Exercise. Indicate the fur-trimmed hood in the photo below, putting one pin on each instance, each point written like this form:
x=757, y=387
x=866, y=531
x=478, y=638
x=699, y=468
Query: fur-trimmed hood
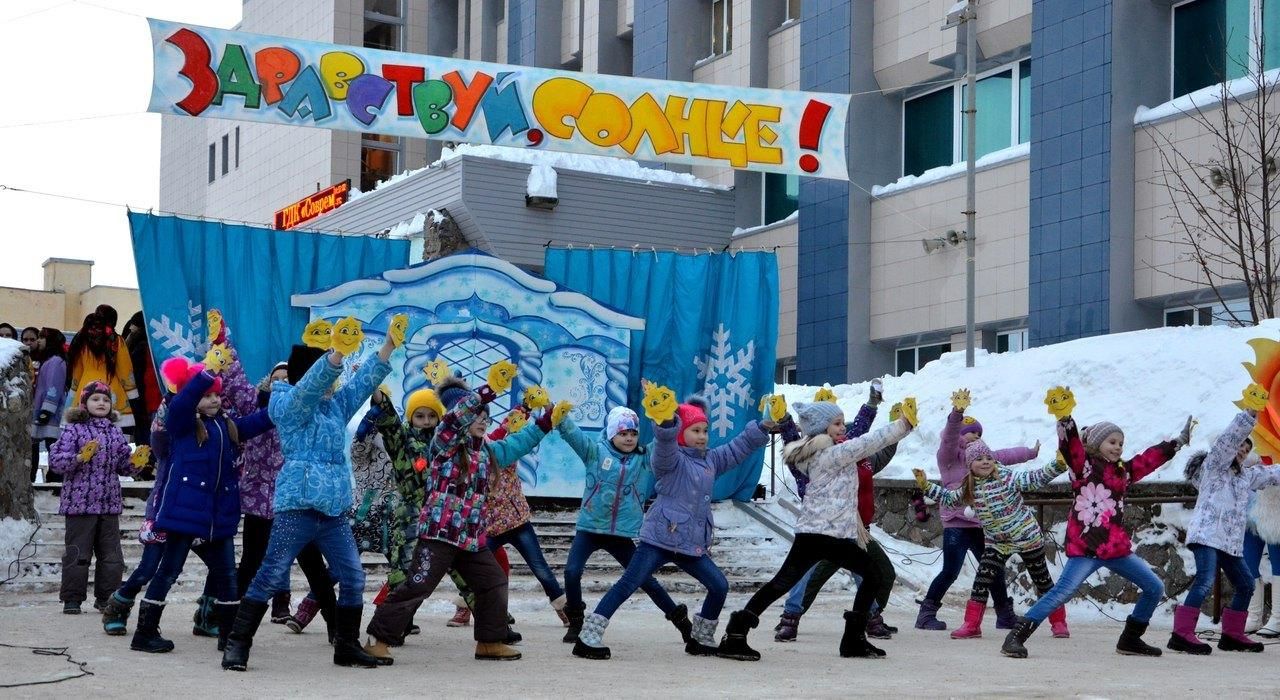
x=79, y=414
x=1264, y=515
x=797, y=452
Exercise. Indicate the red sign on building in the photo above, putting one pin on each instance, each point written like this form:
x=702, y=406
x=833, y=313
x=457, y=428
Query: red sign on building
x=308, y=208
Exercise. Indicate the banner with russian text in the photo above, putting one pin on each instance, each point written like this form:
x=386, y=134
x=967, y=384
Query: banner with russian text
x=216, y=73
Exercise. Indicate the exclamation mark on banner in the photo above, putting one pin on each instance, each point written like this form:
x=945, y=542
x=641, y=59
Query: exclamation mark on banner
x=815, y=117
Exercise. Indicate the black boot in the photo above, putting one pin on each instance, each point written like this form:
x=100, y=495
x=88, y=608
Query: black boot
x=146, y=637
x=575, y=615
x=226, y=617
x=346, y=645
x=330, y=615
x=1131, y=644
x=680, y=618
x=1021, y=632
x=734, y=645
x=854, y=642
x=248, y=617
x=203, y=621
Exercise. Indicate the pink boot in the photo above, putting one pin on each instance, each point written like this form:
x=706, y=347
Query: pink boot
x=307, y=610
x=1233, y=636
x=972, y=627
x=1058, y=623
x=1184, y=632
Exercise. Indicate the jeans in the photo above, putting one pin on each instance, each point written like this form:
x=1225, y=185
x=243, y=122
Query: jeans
x=291, y=531
x=809, y=549
x=649, y=559
x=219, y=555
x=1208, y=561
x=621, y=549
x=1078, y=569
x=525, y=540
x=795, y=598
x=146, y=570
x=1253, y=546
x=956, y=542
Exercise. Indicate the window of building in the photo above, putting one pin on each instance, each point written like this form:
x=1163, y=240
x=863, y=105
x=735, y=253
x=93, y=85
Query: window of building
x=379, y=159
x=1219, y=40
x=786, y=373
x=933, y=124
x=213, y=162
x=237, y=148
x=913, y=359
x=793, y=11
x=721, y=26
x=1215, y=314
x=1012, y=341
x=226, y=154
x=384, y=24
x=781, y=196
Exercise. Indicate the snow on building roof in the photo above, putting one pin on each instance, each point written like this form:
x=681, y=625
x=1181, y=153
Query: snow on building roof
x=1207, y=97
x=946, y=172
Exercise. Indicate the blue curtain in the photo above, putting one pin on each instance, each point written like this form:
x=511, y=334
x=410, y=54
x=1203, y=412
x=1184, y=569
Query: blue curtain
x=711, y=328
x=186, y=267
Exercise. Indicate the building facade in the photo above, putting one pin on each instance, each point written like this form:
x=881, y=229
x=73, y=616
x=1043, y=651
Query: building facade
x=1073, y=233
x=68, y=295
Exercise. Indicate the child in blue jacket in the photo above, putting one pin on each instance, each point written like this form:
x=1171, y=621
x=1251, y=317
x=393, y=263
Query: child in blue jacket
x=618, y=480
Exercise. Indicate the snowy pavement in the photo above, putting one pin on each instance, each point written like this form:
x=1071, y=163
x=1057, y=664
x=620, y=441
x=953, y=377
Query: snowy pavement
x=647, y=661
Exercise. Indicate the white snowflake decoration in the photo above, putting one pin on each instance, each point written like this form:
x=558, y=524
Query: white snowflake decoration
x=181, y=340
x=727, y=376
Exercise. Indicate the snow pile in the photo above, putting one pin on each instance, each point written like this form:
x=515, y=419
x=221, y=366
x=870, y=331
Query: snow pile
x=944, y=172
x=1147, y=382
x=410, y=226
x=1206, y=98
x=541, y=182
x=9, y=351
x=13, y=537
x=739, y=231
x=600, y=165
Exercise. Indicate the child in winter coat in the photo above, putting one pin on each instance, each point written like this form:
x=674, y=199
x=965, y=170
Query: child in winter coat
x=97, y=354
x=1216, y=533
x=962, y=533
x=1263, y=534
x=453, y=524
x=678, y=527
x=201, y=498
x=314, y=488
x=829, y=526
x=807, y=589
x=618, y=480
x=1096, y=533
x=91, y=455
x=994, y=494
x=51, y=391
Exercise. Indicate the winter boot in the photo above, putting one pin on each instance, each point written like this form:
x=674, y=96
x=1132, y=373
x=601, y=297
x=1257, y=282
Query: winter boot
x=330, y=615
x=496, y=651
x=1006, y=618
x=877, y=629
x=146, y=637
x=1058, y=623
x=225, y=614
x=558, y=606
x=788, y=627
x=1233, y=636
x=240, y=640
x=972, y=627
x=461, y=617
x=307, y=610
x=1271, y=625
x=1013, y=642
x=703, y=637
x=1257, y=608
x=71, y=607
x=1131, y=644
x=576, y=613
x=734, y=644
x=280, y=608
x=513, y=637
x=379, y=650
x=680, y=619
x=204, y=624
x=115, y=619
x=590, y=644
x=854, y=643
x=927, y=618
x=1184, y=632
x=346, y=641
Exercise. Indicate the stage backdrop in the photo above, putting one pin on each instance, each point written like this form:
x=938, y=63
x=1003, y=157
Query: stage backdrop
x=711, y=327
x=205, y=72
x=186, y=267
x=472, y=309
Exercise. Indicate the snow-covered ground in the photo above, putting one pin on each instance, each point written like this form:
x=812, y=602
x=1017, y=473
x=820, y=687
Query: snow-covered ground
x=1147, y=382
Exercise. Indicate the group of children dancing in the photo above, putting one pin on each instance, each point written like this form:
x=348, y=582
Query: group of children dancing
x=447, y=497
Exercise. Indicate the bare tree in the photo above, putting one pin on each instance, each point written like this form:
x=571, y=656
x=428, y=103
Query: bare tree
x=1223, y=196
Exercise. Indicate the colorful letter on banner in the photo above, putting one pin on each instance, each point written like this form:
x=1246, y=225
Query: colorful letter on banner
x=205, y=72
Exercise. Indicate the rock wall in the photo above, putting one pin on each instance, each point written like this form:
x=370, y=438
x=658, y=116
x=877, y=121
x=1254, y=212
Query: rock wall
x=16, y=495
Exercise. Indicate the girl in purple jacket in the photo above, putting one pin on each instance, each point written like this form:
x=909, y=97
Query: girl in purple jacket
x=51, y=390
x=679, y=526
x=91, y=455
